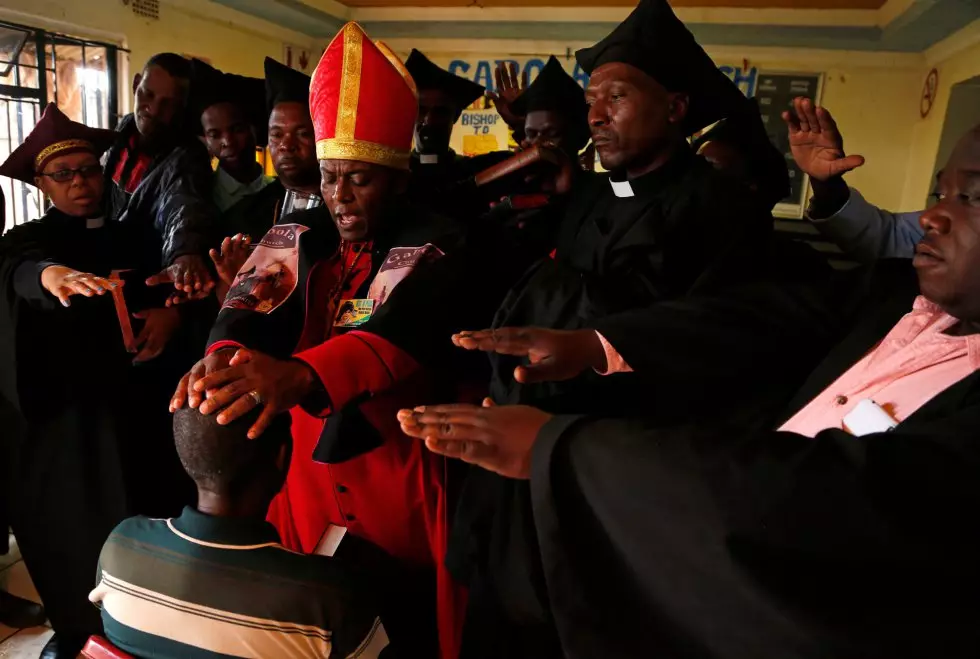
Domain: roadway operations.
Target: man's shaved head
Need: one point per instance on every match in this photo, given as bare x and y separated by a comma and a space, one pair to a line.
221, 459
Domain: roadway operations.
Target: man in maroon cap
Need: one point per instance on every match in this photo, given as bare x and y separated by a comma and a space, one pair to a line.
60, 354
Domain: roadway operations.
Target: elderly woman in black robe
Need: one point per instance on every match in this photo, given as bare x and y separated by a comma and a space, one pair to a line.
66, 369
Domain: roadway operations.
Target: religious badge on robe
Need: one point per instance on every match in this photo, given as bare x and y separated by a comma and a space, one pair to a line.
271, 272
353, 313
397, 265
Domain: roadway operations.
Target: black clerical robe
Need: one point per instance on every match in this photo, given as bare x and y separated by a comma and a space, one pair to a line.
88, 423
740, 544
444, 184
685, 229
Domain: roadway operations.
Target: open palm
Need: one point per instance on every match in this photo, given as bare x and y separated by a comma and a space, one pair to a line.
509, 87
816, 143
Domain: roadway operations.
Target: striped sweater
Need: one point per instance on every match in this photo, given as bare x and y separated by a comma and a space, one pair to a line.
199, 586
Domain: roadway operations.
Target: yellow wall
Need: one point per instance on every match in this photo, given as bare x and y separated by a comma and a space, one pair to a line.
927, 133
232, 41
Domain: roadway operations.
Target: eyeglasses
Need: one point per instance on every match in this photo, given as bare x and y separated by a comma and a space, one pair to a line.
68, 175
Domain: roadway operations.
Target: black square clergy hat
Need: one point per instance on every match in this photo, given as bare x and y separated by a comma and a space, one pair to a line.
285, 85
556, 91
654, 40
553, 90
209, 86
429, 76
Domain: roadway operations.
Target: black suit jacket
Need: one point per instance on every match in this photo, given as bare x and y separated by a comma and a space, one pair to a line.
174, 196
725, 544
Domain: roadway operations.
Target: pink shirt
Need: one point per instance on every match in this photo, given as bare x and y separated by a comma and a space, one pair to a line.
614, 361
914, 363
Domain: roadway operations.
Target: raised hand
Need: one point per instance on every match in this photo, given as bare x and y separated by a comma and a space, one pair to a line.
816, 143
509, 87
231, 257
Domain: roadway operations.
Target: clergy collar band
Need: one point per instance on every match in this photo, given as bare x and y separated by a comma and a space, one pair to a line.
621, 188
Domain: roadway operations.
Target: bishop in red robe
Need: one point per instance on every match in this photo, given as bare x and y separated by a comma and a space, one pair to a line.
287, 339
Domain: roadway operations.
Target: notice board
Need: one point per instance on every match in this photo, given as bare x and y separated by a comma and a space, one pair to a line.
775, 92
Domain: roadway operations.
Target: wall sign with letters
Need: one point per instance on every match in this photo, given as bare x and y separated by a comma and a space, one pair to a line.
481, 130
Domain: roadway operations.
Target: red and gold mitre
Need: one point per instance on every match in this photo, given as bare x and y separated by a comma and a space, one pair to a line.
54, 135
364, 102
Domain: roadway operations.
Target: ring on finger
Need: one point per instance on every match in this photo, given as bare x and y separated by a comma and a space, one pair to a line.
255, 396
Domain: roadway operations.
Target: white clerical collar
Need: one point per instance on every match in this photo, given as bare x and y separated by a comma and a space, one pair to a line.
429, 158
621, 188
94, 222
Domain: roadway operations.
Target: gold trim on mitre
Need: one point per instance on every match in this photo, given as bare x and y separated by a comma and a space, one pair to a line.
399, 65
58, 147
350, 82
349, 149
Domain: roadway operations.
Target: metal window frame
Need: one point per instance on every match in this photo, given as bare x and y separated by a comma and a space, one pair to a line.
42, 39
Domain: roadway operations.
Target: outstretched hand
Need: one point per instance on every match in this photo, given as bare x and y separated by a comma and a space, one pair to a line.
497, 438
816, 143
189, 276
559, 175
63, 282
555, 355
159, 328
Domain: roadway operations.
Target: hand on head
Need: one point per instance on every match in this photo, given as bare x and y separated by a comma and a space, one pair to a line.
817, 145
232, 382
187, 392
496, 438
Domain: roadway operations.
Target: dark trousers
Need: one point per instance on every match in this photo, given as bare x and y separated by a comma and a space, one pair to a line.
67, 494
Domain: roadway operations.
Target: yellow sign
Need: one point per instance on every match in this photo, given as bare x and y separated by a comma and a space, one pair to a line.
476, 145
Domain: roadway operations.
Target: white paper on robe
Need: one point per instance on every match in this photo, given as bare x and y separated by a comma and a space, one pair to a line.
867, 418
330, 540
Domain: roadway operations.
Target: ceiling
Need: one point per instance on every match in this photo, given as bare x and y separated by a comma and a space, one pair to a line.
861, 25
739, 4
